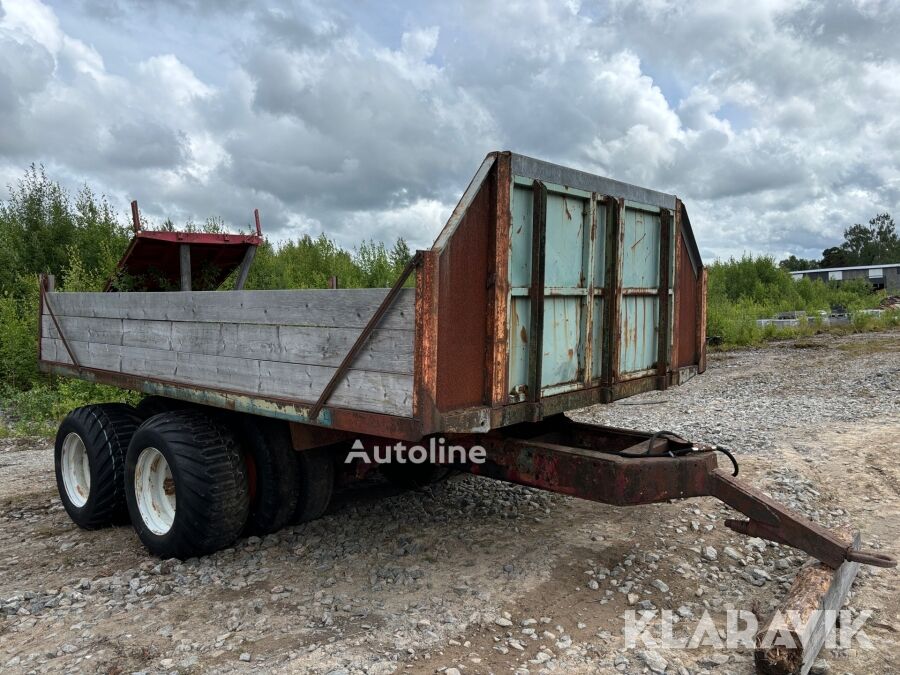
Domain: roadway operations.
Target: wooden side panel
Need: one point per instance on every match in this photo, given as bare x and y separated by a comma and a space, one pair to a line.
388, 349
462, 306
287, 348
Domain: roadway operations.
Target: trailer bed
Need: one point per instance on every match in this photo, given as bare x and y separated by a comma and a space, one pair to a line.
549, 289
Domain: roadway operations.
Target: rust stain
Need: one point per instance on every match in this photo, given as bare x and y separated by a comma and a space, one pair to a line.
524, 335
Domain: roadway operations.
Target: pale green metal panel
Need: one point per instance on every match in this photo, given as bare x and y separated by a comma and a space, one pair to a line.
519, 334
597, 337
564, 249
639, 341
520, 280
639, 314
563, 352
640, 250
570, 268
520, 237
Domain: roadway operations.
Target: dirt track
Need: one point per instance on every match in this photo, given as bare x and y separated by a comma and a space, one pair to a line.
420, 581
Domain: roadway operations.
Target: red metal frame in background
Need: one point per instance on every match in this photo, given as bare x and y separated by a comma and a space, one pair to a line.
156, 253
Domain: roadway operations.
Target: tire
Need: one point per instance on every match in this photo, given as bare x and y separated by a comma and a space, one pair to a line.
413, 476
186, 485
149, 406
89, 457
315, 483
271, 470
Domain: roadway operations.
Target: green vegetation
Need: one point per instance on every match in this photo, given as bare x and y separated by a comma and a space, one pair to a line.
80, 239
741, 291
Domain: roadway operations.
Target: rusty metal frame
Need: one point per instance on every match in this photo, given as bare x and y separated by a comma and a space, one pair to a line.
612, 335
426, 343
360, 342
536, 292
664, 311
677, 290
701, 321
497, 359
45, 302
629, 468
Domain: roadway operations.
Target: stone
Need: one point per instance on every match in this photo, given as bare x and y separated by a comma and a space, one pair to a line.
661, 585
653, 660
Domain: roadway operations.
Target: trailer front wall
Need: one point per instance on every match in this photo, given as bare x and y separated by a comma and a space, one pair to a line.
574, 288
277, 344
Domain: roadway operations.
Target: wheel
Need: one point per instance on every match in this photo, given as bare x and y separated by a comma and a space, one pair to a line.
149, 406
412, 476
315, 482
89, 456
186, 485
271, 471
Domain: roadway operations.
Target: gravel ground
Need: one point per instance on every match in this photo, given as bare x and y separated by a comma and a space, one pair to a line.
474, 576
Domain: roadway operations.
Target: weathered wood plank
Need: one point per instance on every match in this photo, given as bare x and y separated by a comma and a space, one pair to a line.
103, 331
387, 350
348, 308
806, 616
389, 393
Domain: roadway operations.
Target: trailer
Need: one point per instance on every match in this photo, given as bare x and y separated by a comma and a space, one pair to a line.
549, 289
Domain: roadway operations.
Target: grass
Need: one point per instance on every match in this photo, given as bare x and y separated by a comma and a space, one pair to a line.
741, 330
37, 411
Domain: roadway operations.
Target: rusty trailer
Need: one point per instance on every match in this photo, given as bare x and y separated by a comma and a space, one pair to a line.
549, 289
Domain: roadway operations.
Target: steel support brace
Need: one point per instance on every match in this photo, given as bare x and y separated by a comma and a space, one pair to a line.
628, 468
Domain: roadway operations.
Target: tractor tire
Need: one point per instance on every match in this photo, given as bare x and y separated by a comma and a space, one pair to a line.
271, 470
186, 485
89, 456
315, 483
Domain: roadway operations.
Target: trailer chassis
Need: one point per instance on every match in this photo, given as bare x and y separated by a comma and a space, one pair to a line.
629, 468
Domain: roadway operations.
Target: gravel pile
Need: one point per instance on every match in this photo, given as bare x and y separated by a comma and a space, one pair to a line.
752, 400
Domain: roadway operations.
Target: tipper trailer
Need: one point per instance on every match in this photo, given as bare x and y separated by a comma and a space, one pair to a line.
549, 289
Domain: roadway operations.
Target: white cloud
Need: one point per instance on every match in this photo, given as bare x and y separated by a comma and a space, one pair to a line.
773, 120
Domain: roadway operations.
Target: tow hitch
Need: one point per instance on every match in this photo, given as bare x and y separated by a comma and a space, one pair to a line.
628, 468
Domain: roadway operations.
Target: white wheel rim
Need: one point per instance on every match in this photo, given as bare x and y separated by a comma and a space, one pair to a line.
154, 489
76, 470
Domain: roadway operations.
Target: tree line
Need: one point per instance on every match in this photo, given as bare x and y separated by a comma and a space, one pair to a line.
874, 244
80, 238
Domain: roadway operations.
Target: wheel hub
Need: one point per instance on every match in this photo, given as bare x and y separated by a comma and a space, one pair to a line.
154, 488
76, 470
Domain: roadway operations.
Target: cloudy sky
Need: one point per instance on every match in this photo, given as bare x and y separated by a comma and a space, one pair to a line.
776, 121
